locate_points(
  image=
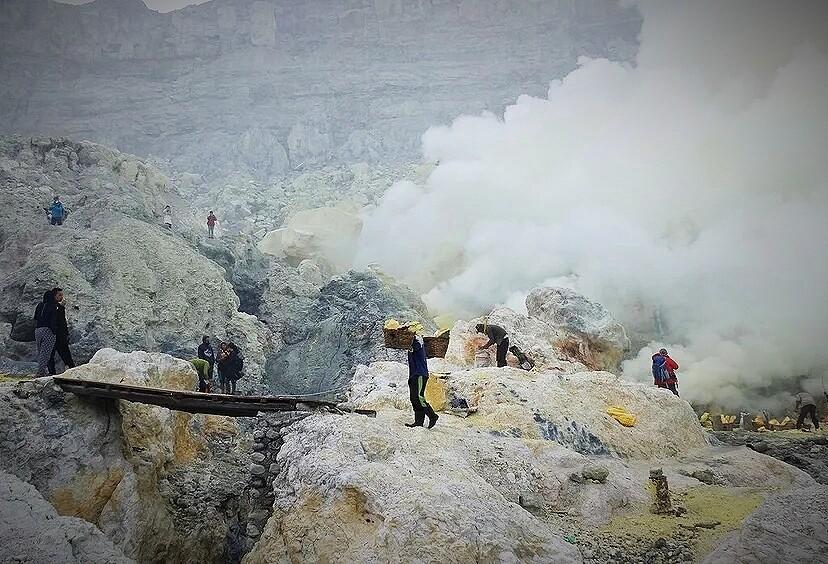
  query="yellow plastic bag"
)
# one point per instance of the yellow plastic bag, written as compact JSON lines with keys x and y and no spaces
{"x":621,"y":415}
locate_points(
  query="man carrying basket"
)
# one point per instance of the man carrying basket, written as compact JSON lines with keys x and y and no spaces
{"x":417,"y":380}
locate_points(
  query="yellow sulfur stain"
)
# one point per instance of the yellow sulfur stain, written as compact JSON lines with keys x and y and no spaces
{"x":87,"y":494}
{"x":728,"y":506}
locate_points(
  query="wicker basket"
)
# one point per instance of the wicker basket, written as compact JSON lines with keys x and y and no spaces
{"x":398,"y":338}
{"x":436,"y":347}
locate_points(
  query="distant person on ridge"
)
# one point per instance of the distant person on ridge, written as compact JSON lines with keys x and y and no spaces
{"x":56,"y":212}
{"x":205,"y":352}
{"x":417,"y":380}
{"x":211,"y":225}
{"x":497,"y":336}
{"x":202,"y":367}
{"x":45,"y":330}
{"x":61,"y":333}
{"x":168,"y":217}
{"x":806,"y":406}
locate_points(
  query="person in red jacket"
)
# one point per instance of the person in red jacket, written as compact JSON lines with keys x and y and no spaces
{"x":670,"y":367}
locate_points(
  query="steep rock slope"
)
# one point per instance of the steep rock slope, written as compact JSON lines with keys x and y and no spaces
{"x":330,"y":330}
{"x":272,"y":86}
{"x":130,"y":283}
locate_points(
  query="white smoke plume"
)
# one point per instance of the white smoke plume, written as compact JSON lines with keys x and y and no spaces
{"x":693,"y":183}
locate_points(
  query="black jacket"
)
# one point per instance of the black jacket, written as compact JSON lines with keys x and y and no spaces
{"x":61,"y":327}
{"x":205,"y":352}
{"x":46,"y":314}
{"x":496,"y":334}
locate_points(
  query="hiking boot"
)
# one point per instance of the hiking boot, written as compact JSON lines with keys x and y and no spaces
{"x":412,"y":425}
{"x":432,"y":421}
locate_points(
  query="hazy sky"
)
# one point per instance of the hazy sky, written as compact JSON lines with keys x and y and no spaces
{"x":158,"y":5}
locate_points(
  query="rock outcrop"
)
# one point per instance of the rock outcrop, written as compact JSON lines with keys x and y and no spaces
{"x":494,"y":481}
{"x":161,"y":485}
{"x":570,"y":410}
{"x":563,"y":331}
{"x":31,"y":531}
{"x":491,"y":486}
{"x":605,"y":337}
{"x":786,"y":528}
{"x":328,"y":332}
{"x":393,"y":497}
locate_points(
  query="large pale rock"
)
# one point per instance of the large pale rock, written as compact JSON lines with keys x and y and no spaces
{"x":549,"y":347}
{"x":31,"y":531}
{"x":385,"y":495}
{"x":788,"y":527}
{"x":567,"y":409}
{"x":328,"y":235}
{"x":566,"y":309}
{"x":372,"y":490}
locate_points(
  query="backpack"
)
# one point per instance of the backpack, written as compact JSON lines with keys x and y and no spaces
{"x":239,"y":373}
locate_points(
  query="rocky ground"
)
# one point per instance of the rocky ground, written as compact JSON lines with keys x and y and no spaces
{"x":807,"y":451}
{"x":521,"y":466}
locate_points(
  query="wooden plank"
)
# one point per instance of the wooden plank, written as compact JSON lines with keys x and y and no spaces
{"x":192,"y":402}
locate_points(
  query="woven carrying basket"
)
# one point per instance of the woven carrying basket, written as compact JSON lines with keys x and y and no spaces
{"x":398,"y":338}
{"x":436,"y":347}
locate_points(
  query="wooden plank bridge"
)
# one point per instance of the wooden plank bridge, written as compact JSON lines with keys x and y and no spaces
{"x":198,"y":402}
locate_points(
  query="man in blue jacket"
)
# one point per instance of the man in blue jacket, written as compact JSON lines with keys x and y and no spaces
{"x":56,"y":211}
{"x":417,"y":380}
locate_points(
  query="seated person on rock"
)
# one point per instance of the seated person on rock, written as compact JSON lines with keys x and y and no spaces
{"x":417,"y":380}
{"x":497,"y":336}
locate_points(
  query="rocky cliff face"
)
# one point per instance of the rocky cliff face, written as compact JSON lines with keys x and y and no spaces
{"x":273,"y":86}
{"x":130,"y":283}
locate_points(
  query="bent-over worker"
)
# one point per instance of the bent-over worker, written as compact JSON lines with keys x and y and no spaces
{"x":806,"y":406}
{"x":202,"y":367}
{"x":497,"y":336}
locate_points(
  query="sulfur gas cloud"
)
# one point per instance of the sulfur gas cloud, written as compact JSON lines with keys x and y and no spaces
{"x":688,"y":192}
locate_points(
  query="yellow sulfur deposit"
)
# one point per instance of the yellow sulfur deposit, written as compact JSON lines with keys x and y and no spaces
{"x":411,"y":326}
{"x":705,"y":417}
{"x":621,"y":415}
{"x":728,"y":419}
